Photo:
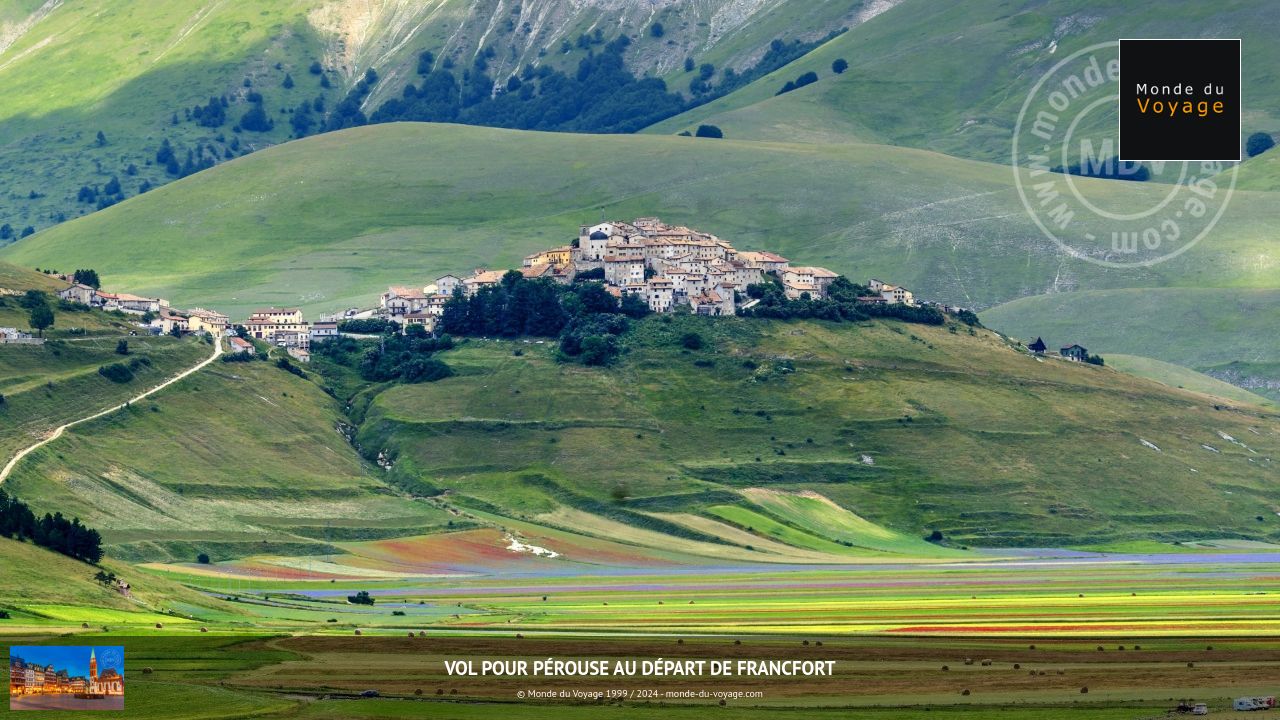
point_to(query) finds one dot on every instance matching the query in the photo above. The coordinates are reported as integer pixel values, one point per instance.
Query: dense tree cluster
(55, 532)
(808, 78)
(1110, 169)
(87, 277)
(840, 305)
(602, 96)
(406, 358)
(586, 318)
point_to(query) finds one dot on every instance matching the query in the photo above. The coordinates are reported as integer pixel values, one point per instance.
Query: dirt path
(57, 432)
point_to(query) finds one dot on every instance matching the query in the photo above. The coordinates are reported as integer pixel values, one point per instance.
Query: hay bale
(818, 643)
(204, 629)
(519, 636)
(1120, 647)
(1209, 647)
(1031, 647)
(945, 668)
(1101, 649)
(965, 691)
(680, 641)
(1017, 666)
(84, 625)
(357, 632)
(410, 633)
(439, 691)
(968, 661)
(418, 691)
(422, 633)
(986, 663)
(1191, 664)
(1137, 647)
(159, 626)
(737, 642)
(805, 643)
(1084, 690)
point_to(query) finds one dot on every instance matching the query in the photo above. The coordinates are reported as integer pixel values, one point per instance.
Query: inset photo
(68, 677)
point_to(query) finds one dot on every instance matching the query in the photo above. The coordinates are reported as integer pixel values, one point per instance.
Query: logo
(1095, 206)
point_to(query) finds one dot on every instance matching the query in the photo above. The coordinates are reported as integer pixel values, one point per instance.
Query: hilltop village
(670, 268)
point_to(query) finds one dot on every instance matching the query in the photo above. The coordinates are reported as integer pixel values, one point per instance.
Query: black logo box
(1185, 64)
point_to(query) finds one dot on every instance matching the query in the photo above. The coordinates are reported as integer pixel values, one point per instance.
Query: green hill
(1178, 376)
(952, 77)
(1197, 328)
(798, 441)
(135, 71)
(46, 385)
(910, 427)
(329, 221)
(238, 458)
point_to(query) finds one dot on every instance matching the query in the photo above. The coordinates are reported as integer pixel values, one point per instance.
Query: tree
(203, 558)
(288, 82)
(87, 277)
(41, 318)
(656, 30)
(122, 347)
(1258, 143)
(256, 120)
(839, 66)
(102, 139)
(6, 232)
(688, 64)
(28, 231)
(709, 131)
(315, 68)
(691, 341)
(633, 305)
(360, 598)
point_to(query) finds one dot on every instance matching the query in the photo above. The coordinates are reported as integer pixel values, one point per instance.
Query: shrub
(839, 66)
(116, 372)
(122, 347)
(1258, 143)
(360, 598)
(709, 131)
(203, 558)
(691, 341)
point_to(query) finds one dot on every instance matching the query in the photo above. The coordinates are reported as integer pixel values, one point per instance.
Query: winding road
(57, 432)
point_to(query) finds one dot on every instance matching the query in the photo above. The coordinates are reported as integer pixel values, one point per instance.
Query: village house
(14, 336)
(892, 293)
(170, 322)
(279, 326)
(240, 345)
(133, 304)
(1077, 353)
(446, 284)
(79, 293)
(1038, 347)
(200, 320)
(324, 330)
(480, 279)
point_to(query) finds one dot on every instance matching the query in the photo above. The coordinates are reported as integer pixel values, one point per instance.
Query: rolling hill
(826, 441)
(329, 221)
(71, 69)
(952, 77)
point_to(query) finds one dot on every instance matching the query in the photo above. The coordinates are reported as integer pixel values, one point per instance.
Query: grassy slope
(328, 221)
(1233, 324)
(1178, 376)
(45, 386)
(241, 457)
(36, 583)
(997, 447)
(126, 68)
(952, 77)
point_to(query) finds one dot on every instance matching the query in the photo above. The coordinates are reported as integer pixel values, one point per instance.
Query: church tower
(93, 667)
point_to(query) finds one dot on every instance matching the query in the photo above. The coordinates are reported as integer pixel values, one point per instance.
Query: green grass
(952, 78)
(238, 458)
(965, 434)
(354, 211)
(125, 70)
(1178, 376)
(1192, 327)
